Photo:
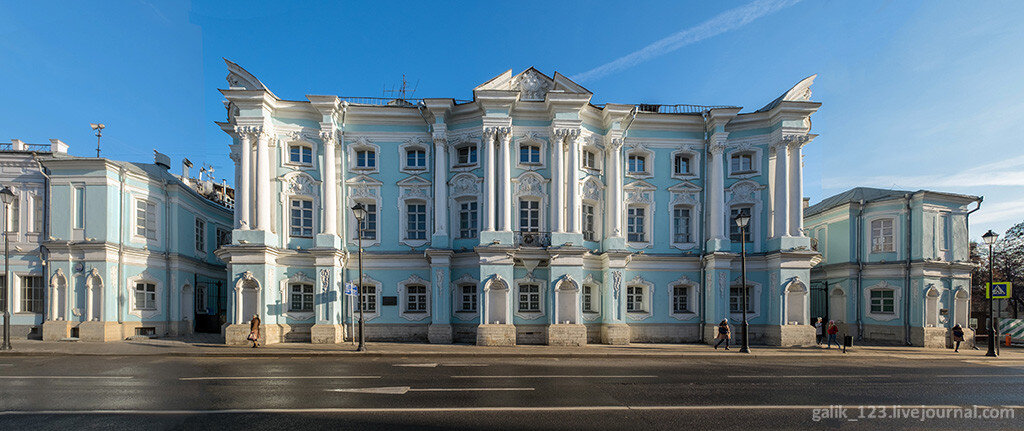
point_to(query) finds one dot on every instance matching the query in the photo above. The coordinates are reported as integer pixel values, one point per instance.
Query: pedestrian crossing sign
(350, 289)
(999, 290)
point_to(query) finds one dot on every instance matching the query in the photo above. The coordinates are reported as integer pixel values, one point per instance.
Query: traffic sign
(1001, 290)
(350, 289)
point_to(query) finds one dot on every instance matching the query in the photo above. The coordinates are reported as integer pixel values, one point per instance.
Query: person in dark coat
(723, 334)
(833, 333)
(958, 337)
(254, 331)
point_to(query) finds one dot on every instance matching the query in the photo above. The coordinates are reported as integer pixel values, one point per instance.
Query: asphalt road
(733, 392)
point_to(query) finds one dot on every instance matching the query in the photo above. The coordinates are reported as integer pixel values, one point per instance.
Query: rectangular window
(741, 163)
(635, 224)
(145, 219)
(734, 230)
(681, 225)
(882, 301)
(302, 218)
(682, 165)
(529, 154)
(14, 219)
(200, 234)
(416, 223)
(588, 299)
(38, 215)
(882, 236)
(369, 298)
(635, 299)
(466, 155)
(32, 294)
(735, 305)
(145, 296)
(468, 302)
(946, 230)
(468, 220)
(302, 297)
(588, 222)
(416, 158)
(680, 299)
(589, 160)
(223, 237)
(529, 297)
(529, 216)
(637, 164)
(369, 224)
(366, 159)
(416, 299)
(79, 194)
(300, 154)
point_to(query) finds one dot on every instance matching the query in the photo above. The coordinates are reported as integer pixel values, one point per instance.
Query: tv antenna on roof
(403, 92)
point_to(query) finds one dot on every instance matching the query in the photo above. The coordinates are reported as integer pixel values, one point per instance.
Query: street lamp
(7, 196)
(98, 127)
(360, 212)
(742, 219)
(990, 238)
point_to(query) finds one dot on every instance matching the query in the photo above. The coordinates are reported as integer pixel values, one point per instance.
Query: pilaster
(440, 235)
(440, 329)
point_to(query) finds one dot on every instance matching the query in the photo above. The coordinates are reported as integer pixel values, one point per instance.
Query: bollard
(7, 331)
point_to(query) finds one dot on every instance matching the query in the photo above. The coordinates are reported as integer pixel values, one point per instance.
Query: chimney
(17, 145)
(58, 147)
(161, 160)
(186, 164)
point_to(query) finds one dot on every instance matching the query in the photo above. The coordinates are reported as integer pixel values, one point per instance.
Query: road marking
(400, 390)
(276, 377)
(434, 365)
(450, 409)
(543, 376)
(416, 365)
(65, 377)
(834, 376)
(464, 365)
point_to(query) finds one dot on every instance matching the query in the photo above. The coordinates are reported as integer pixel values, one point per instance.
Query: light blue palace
(527, 215)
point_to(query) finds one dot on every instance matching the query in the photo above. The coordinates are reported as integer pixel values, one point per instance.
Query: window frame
(200, 235)
(749, 231)
(145, 225)
(304, 149)
(689, 238)
(632, 226)
(473, 148)
(690, 289)
(530, 156)
(292, 200)
(31, 298)
(469, 226)
(38, 223)
(756, 155)
(893, 235)
(538, 218)
(305, 297)
(149, 295)
(539, 297)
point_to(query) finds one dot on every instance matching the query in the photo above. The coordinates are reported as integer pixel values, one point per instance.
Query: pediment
(240, 79)
(414, 181)
(684, 187)
(531, 84)
(640, 184)
(363, 180)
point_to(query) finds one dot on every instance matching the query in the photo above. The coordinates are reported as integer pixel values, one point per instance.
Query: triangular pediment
(363, 180)
(684, 187)
(640, 184)
(531, 84)
(414, 181)
(240, 79)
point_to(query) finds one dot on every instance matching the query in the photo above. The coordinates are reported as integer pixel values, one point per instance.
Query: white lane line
(276, 377)
(464, 365)
(400, 390)
(416, 365)
(835, 376)
(65, 377)
(450, 409)
(564, 376)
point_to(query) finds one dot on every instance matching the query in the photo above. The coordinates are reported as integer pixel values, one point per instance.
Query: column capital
(250, 133)
(716, 146)
(565, 132)
(614, 144)
(330, 137)
(795, 140)
(497, 130)
(440, 139)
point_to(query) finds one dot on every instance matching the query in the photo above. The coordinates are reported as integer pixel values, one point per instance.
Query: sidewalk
(207, 348)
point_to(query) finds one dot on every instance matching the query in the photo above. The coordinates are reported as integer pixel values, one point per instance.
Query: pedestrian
(958, 337)
(254, 331)
(819, 331)
(833, 332)
(723, 334)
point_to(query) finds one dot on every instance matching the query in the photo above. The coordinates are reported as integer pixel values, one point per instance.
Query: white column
(557, 183)
(330, 180)
(782, 192)
(574, 185)
(263, 192)
(614, 193)
(506, 180)
(717, 213)
(796, 189)
(440, 185)
(488, 194)
(243, 194)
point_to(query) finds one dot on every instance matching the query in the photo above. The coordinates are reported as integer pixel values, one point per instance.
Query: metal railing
(532, 239)
(390, 101)
(678, 109)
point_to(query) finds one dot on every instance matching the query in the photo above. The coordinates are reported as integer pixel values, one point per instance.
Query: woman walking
(833, 331)
(958, 337)
(723, 334)
(819, 330)
(254, 331)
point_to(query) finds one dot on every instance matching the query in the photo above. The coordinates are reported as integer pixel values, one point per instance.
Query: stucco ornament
(301, 184)
(439, 279)
(616, 283)
(464, 185)
(325, 279)
(532, 86)
(592, 189)
(530, 185)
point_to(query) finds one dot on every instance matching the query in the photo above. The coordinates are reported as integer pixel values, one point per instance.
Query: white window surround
(648, 294)
(403, 157)
(691, 298)
(144, 277)
(302, 137)
(453, 157)
(37, 213)
(837, 304)
(796, 294)
(639, 194)
(595, 295)
(287, 148)
(592, 193)
(463, 187)
(897, 229)
(530, 139)
(542, 291)
(298, 185)
(648, 155)
(756, 157)
(17, 285)
(367, 191)
(202, 234)
(930, 307)
(747, 193)
(363, 144)
(403, 298)
(369, 281)
(412, 190)
(157, 215)
(897, 294)
(755, 300)
(286, 297)
(530, 186)
(961, 306)
(598, 158)
(694, 163)
(456, 290)
(686, 195)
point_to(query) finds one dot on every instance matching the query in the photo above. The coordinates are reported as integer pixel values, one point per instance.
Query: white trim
(897, 297)
(648, 295)
(286, 296)
(746, 193)
(453, 162)
(363, 144)
(694, 163)
(403, 158)
(457, 284)
(368, 191)
(755, 300)
(567, 287)
(592, 193)
(377, 291)
(640, 194)
(686, 195)
(691, 298)
(286, 159)
(542, 297)
(639, 149)
(412, 190)
(896, 230)
(756, 157)
(799, 289)
(144, 277)
(157, 215)
(533, 139)
(530, 186)
(403, 299)
(595, 298)
(932, 297)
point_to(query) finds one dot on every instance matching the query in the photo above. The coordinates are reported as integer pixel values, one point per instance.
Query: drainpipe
(120, 250)
(167, 254)
(44, 253)
(860, 269)
(703, 230)
(906, 287)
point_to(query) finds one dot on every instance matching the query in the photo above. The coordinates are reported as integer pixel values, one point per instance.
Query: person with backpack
(723, 334)
(833, 332)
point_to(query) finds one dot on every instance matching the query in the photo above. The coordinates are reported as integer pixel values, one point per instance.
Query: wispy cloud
(1012, 211)
(721, 23)
(1006, 172)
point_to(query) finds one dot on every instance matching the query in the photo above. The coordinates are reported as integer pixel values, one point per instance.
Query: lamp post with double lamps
(359, 211)
(742, 219)
(990, 238)
(7, 196)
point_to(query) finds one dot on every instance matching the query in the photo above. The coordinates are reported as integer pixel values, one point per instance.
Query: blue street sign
(1000, 290)
(350, 289)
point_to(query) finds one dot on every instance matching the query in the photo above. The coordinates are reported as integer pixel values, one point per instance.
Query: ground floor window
(302, 297)
(369, 298)
(32, 294)
(145, 296)
(588, 299)
(680, 299)
(468, 301)
(416, 299)
(529, 297)
(735, 300)
(635, 299)
(883, 301)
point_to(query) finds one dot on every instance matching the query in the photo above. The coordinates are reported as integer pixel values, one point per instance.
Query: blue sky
(916, 94)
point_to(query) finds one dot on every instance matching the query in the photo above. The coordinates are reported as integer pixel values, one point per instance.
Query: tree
(1008, 264)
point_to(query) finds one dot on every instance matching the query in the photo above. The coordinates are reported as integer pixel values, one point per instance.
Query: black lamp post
(742, 219)
(990, 238)
(8, 197)
(359, 211)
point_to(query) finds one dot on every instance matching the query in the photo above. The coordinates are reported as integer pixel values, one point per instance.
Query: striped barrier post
(1014, 328)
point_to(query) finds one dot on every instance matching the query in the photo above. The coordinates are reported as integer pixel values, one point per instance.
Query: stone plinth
(439, 333)
(567, 334)
(325, 333)
(56, 330)
(932, 338)
(785, 335)
(99, 331)
(236, 334)
(615, 333)
(496, 335)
